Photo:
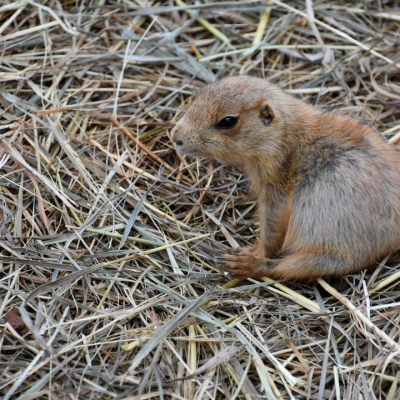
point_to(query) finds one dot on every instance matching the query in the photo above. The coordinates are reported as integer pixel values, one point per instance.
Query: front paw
(240, 265)
(258, 250)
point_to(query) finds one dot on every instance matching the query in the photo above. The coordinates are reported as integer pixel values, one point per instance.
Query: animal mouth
(189, 151)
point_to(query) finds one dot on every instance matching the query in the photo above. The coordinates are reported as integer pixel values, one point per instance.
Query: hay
(108, 287)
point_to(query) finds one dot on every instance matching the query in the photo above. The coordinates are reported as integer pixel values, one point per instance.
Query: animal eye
(227, 123)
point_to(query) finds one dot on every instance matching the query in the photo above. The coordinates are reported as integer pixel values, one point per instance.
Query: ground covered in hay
(108, 288)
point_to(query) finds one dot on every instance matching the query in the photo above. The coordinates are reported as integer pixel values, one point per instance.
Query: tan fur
(327, 186)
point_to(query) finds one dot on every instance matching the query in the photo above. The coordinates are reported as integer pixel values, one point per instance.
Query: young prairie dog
(327, 186)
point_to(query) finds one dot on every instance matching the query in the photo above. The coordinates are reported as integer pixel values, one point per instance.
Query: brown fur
(327, 186)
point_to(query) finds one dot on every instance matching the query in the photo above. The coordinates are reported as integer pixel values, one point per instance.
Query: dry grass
(108, 236)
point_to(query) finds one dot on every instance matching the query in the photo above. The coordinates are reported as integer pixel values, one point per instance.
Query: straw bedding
(108, 288)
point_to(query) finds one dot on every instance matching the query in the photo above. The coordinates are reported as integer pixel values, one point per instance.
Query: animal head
(232, 120)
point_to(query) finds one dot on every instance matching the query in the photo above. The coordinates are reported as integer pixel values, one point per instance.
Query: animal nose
(178, 142)
(175, 136)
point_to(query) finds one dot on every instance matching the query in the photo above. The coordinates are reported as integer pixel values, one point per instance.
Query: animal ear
(267, 113)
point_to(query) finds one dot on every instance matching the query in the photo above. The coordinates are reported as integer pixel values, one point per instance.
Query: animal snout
(176, 137)
(185, 141)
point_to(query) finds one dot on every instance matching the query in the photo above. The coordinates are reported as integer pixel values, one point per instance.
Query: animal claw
(220, 259)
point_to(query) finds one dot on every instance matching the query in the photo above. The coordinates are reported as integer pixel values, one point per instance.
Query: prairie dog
(327, 186)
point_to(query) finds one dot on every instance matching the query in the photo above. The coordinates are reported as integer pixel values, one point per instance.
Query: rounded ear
(267, 113)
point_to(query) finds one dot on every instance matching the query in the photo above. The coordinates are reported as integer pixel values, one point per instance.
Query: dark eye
(227, 123)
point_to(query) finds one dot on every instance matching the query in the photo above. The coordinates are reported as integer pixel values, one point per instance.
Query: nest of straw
(108, 287)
